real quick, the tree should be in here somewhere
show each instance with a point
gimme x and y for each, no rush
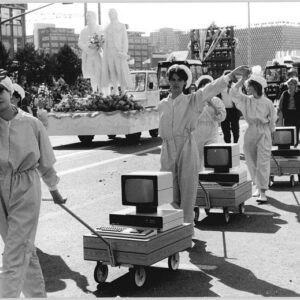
(31, 64)
(68, 64)
(4, 56)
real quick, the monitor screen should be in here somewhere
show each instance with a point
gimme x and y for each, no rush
(139, 191)
(218, 157)
(285, 136)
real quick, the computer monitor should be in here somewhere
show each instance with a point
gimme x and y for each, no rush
(284, 137)
(221, 157)
(147, 190)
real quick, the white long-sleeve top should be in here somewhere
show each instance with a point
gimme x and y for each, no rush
(259, 111)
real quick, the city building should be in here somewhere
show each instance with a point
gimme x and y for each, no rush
(265, 41)
(139, 50)
(51, 39)
(13, 32)
(36, 36)
(167, 40)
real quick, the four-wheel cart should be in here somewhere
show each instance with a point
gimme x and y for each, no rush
(285, 166)
(228, 197)
(134, 253)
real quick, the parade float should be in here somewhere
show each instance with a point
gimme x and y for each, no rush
(129, 114)
(129, 107)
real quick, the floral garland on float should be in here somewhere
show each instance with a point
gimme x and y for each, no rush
(95, 102)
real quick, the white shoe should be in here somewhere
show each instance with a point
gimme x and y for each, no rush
(256, 193)
(262, 197)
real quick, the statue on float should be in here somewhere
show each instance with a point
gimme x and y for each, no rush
(91, 42)
(115, 65)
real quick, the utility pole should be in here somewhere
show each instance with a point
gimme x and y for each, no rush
(99, 13)
(249, 36)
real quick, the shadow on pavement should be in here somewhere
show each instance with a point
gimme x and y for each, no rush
(121, 145)
(161, 282)
(55, 270)
(286, 207)
(232, 275)
(255, 219)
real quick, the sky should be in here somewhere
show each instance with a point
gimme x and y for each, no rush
(150, 16)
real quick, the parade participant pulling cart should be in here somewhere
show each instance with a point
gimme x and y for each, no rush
(139, 237)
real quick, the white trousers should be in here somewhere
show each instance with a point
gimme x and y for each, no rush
(257, 149)
(21, 270)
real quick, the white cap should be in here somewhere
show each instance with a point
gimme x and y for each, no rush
(259, 79)
(19, 90)
(257, 75)
(187, 71)
(202, 77)
(7, 84)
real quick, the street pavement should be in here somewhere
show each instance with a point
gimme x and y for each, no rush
(256, 254)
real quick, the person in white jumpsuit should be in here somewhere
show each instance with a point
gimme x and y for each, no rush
(260, 115)
(25, 155)
(207, 128)
(178, 115)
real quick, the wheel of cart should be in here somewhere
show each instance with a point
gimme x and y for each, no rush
(173, 262)
(139, 275)
(271, 180)
(196, 214)
(292, 180)
(226, 214)
(242, 208)
(100, 272)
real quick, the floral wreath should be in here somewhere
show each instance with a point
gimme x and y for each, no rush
(186, 70)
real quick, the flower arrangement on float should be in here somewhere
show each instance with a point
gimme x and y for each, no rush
(96, 102)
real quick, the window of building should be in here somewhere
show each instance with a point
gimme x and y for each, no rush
(16, 12)
(17, 30)
(45, 38)
(5, 29)
(4, 13)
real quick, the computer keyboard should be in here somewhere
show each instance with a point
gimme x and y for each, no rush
(111, 228)
(126, 231)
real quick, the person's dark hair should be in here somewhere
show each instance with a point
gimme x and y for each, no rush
(179, 72)
(203, 82)
(18, 96)
(257, 87)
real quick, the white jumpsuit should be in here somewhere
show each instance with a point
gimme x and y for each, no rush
(179, 154)
(25, 155)
(207, 130)
(260, 115)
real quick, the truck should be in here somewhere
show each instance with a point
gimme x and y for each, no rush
(131, 123)
(276, 74)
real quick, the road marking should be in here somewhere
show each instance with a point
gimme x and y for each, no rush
(105, 162)
(78, 153)
(259, 213)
